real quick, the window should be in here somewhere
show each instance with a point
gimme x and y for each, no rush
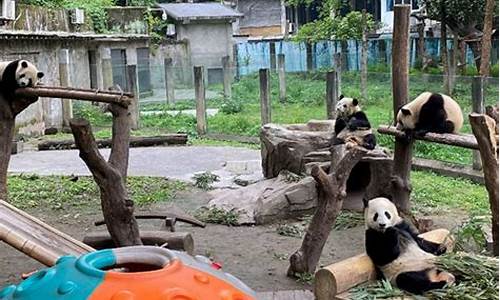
(93, 69)
(414, 4)
(390, 5)
(7, 9)
(143, 71)
(119, 67)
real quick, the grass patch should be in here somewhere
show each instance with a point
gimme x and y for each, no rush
(59, 192)
(348, 219)
(291, 230)
(218, 216)
(205, 180)
(432, 192)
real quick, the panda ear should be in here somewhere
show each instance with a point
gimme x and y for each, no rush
(355, 102)
(341, 97)
(40, 75)
(406, 111)
(24, 64)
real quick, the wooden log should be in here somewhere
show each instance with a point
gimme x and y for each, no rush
(332, 94)
(185, 219)
(265, 96)
(175, 240)
(477, 107)
(460, 140)
(169, 80)
(35, 238)
(227, 76)
(401, 186)
(124, 99)
(282, 77)
(331, 194)
(339, 277)
(201, 106)
(484, 130)
(169, 139)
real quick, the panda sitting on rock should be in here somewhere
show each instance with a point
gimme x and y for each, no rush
(352, 126)
(17, 74)
(398, 253)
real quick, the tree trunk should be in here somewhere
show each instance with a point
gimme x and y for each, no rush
(475, 46)
(484, 129)
(484, 69)
(117, 209)
(331, 194)
(421, 43)
(10, 107)
(462, 61)
(444, 58)
(364, 60)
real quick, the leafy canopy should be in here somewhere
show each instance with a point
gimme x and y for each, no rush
(331, 24)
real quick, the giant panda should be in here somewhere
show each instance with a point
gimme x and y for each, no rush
(398, 253)
(430, 112)
(352, 125)
(16, 74)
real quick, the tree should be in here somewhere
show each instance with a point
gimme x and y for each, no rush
(486, 40)
(463, 17)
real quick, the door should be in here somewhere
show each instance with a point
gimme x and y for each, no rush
(119, 67)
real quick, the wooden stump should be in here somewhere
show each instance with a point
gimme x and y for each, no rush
(331, 194)
(484, 129)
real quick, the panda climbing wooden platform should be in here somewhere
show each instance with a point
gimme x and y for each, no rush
(458, 140)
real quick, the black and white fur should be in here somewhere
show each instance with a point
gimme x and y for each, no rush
(352, 125)
(16, 74)
(398, 253)
(430, 112)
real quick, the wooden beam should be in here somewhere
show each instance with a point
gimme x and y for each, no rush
(460, 140)
(201, 106)
(123, 99)
(265, 96)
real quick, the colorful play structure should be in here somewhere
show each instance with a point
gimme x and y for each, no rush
(139, 272)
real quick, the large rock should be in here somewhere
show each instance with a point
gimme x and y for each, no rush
(284, 147)
(270, 200)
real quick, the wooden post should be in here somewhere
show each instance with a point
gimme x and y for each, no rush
(265, 94)
(272, 55)
(332, 94)
(281, 77)
(337, 62)
(236, 62)
(169, 80)
(403, 149)
(484, 129)
(309, 57)
(227, 74)
(477, 107)
(64, 80)
(201, 108)
(134, 106)
(364, 58)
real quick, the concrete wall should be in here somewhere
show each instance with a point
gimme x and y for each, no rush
(207, 42)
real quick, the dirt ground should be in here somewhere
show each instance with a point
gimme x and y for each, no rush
(257, 254)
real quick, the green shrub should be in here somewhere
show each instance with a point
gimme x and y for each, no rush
(231, 105)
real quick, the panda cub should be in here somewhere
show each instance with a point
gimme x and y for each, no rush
(430, 112)
(16, 74)
(352, 125)
(399, 254)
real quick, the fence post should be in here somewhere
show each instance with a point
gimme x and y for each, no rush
(332, 94)
(265, 93)
(272, 55)
(201, 108)
(281, 77)
(64, 80)
(227, 76)
(309, 57)
(337, 62)
(477, 107)
(169, 80)
(133, 88)
(403, 150)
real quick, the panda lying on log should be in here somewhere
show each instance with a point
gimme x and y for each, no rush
(430, 112)
(352, 126)
(398, 253)
(17, 74)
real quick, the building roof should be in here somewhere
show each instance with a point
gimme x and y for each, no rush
(199, 11)
(23, 34)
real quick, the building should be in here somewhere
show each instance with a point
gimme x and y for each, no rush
(262, 18)
(206, 29)
(65, 49)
